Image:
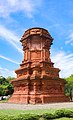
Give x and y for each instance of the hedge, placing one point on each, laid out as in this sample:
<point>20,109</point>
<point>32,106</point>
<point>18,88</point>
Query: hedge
<point>46,116</point>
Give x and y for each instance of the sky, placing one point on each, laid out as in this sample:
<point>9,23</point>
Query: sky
<point>16,16</point>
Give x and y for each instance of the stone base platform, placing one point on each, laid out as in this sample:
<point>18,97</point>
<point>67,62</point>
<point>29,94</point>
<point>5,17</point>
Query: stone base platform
<point>39,91</point>
<point>38,100</point>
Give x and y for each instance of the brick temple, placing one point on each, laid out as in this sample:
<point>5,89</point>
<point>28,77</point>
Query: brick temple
<point>37,80</point>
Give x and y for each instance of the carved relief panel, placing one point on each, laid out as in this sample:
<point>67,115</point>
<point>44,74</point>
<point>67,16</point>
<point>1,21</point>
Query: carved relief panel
<point>35,31</point>
<point>53,88</point>
<point>35,55</point>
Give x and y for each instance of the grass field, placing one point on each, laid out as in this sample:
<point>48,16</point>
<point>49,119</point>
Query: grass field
<point>64,118</point>
<point>38,111</point>
<point>16,112</point>
<point>3,101</point>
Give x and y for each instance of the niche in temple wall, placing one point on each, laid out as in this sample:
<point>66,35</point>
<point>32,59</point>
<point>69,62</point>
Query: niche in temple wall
<point>35,43</point>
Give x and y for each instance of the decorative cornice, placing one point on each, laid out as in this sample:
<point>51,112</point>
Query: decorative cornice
<point>36,31</point>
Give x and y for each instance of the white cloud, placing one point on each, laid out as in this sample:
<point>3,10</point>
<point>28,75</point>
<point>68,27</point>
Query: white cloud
<point>70,39</point>
<point>8,59</point>
<point>10,37</point>
<point>26,6</point>
<point>6,72</point>
<point>8,34</point>
<point>64,62</point>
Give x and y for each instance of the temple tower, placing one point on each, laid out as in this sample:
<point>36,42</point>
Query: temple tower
<point>37,80</point>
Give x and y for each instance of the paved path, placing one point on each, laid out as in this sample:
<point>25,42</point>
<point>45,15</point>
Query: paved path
<point>39,106</point>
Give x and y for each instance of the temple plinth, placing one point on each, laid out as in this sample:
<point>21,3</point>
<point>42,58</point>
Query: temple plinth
<point>37,80</point>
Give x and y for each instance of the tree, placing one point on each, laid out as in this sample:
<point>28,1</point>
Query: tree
<point>69,86</point>
<point>9,78</point>
<point>2,80</point>
<point>1,91</point>
<point>6,87</point>
<point>9,89</point>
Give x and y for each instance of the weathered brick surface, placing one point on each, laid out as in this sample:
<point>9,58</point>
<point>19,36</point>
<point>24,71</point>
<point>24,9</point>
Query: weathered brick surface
<point>37,80</point>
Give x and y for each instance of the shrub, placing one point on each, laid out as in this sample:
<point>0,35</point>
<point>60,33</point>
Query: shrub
<point>68,113</point>
<point>59,113</point>
<point>20,117</point>
<point>63,113</point>
<point>28,117</point>
<point>48,116</point>
<point>8,117</point>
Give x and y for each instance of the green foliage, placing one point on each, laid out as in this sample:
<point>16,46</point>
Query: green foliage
<point>5,87</point>
<point>59,113</point>
<point>2,80</point>
<point>9,78</point>
<point>19,117</point>
<point>28,117</point>
<point>70,78</point>
<point>68,113</point>
<point>48,116</point>
<point>8,117</point>
<point>1,91</point>
<point>62,113</point>
<point>69,85</point>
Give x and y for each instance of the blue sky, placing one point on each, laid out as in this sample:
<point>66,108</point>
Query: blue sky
<point>16,16</point>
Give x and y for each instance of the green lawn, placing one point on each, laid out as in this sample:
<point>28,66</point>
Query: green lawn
<point>64,118</point>
<point>38,111</point>
<point>16,112</point>
<point>3,101</point>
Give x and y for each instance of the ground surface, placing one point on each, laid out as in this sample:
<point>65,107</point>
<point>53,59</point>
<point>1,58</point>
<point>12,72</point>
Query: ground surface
<point>38,106</point>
